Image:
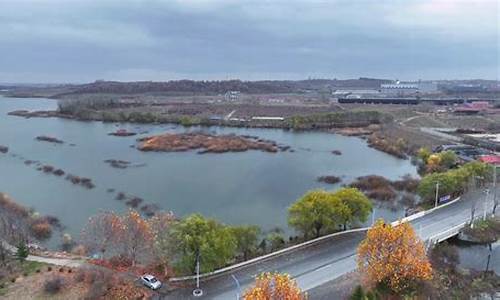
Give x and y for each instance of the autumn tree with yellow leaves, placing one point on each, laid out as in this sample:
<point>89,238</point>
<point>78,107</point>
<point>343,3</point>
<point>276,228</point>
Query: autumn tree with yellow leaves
<point>393,257</point>
<point>274,286</point>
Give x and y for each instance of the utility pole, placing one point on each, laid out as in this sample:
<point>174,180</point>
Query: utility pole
<point>373,216</point>
<point>487,192</point>
<point>489,257</point>
<point>473,184</point>
<point>495,203</point>
<point>472,212</point>
<point>437,194</point>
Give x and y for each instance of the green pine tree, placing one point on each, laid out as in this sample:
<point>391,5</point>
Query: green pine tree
<point>358,294</point>
<point>22,252</point>
<point>372,296</point>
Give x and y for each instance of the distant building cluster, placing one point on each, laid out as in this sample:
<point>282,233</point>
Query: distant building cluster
<point>232,95</point>
<point>389,90</point>
<point>401,89</point>
<point>474,107</point>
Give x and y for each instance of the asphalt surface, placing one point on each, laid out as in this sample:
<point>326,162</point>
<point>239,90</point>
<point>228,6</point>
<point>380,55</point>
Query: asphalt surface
<point>323,262</point>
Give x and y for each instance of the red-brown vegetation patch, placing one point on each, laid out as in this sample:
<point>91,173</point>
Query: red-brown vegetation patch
<point>58,172</point>
<point>127,290</point>
<point>206,143</point>
<point>329,179</point>
<point>380,188</point>
<point>85,182</point>
<point>371,182</point>
<point>47,169</point>
<point>123,264</point>
<point>382,193</point>
<point>407,183</point>
<point>134,202</point>
<point>41,229</point>
<point>122,132</point>
<point>49,139</point>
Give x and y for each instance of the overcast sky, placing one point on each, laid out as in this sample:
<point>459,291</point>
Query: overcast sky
<point>85,40</point>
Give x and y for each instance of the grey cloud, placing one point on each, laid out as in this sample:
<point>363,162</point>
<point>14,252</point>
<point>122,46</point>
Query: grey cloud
<point>55,40</point>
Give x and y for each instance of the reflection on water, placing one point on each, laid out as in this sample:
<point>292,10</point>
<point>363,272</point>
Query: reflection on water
<point>252,187</point>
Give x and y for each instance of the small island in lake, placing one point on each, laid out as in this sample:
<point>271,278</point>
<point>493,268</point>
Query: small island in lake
<point>4,149</point>
<point>330,179</point>
<point>206,143</point>
<point>49,139</point>
<point>122,132</point>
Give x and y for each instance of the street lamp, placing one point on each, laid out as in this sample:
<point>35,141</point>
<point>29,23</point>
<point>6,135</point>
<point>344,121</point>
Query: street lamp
<point>198,292</point>
<point>495,203</point>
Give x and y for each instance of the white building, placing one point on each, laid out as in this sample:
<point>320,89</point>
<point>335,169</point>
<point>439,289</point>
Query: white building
<point>268,118</point>
<point>232,95</point>
<point>409,88</point>
<point>356,93</point>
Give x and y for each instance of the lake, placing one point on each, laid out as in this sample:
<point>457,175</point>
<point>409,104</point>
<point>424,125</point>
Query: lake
<point>238,188</point>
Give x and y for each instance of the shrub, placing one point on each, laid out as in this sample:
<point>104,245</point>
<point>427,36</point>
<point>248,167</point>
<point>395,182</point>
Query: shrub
<point>370,182</point>
<point>120,261</point>
<point>276,240</point>
<point>358,294</point>
<point>79,250</point>
<point>329,179</point>
<point>382,193</point>
<point>407,183</point>
<point>99,283</point>
<point>80,276</point>
<point>41,230</point>
<point>53,285</point>
<point>22,252</point>
<point>444,256</point>
<point>67,242</point>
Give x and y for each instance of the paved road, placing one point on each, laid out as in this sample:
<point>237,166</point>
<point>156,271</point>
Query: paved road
<point>332,258</point>
<point>440,133</point>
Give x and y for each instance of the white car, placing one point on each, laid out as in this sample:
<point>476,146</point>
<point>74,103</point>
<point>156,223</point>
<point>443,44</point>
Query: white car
<point>151,282</point>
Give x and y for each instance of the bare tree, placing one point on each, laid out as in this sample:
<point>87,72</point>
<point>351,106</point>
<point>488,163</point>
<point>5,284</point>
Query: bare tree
<point>102,233</point>
<point>137,241</point>
<point>15,221</point>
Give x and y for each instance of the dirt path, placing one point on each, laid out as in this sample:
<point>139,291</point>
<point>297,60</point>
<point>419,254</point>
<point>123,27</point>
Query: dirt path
<point>63,262</point>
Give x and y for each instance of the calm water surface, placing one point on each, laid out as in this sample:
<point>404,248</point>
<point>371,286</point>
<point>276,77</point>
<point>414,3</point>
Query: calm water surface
<point>252,187</point>
<point>476,256</point>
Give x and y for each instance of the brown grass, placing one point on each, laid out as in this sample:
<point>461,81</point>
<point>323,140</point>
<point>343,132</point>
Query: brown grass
<point>382,193</point>
<point>370,182</point>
